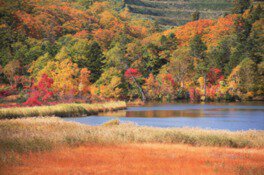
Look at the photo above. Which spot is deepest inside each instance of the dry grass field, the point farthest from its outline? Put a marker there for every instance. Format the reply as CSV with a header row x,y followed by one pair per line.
x,y
149,159
47,133
49,145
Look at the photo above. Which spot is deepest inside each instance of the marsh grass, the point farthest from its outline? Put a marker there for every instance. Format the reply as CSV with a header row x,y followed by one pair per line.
x,y
46,133
113,122
60,110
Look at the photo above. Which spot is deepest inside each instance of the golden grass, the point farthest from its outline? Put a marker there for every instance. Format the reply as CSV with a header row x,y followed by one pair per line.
x,y
61,110
111,123
137,102
46,133
23,136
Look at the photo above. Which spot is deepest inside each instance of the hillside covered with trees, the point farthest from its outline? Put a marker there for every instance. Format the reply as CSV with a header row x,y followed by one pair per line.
x,y
82,50
179,12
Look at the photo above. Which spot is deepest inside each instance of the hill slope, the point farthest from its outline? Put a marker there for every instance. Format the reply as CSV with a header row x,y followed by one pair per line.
x,y
178,12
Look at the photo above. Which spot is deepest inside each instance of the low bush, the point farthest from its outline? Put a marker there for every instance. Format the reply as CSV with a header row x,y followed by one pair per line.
x,y
111,123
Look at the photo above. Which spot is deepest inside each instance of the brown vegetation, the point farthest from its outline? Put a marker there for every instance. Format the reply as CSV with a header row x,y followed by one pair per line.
x,y
141,159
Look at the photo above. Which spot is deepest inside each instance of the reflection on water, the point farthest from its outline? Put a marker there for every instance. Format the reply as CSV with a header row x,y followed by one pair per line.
x,y
121,113
155,113
167,111
215,116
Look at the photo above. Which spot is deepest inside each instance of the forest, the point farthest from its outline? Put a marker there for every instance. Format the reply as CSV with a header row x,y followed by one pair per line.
x,y
55,51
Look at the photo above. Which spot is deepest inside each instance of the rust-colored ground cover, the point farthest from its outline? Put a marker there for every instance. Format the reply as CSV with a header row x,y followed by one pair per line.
x,y
141,159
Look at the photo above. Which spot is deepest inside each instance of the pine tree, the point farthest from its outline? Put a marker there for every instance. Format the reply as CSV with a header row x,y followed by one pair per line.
x,y
197,47
196,16
240,6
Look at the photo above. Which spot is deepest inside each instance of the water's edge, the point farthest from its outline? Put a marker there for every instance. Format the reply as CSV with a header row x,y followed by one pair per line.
x,y
207,116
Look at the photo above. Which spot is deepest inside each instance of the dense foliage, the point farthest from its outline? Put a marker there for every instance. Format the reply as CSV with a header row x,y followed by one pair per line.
x,y
88,50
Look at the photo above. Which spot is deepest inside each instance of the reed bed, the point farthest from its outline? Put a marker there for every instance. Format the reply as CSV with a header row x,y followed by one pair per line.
x,y
61,110
46,133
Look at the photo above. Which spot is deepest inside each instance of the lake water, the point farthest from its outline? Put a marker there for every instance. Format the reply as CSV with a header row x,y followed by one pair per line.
x,y
209,116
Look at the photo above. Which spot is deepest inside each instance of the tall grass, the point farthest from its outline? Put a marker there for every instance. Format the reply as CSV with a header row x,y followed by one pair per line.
x,y
37,134
60,110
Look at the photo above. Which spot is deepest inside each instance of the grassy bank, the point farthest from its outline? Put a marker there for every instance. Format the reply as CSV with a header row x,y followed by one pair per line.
x,y
38,134
60,110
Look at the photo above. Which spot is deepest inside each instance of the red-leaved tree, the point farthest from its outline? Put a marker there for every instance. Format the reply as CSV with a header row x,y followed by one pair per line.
x,y
195,95
214,76
40,93
132,74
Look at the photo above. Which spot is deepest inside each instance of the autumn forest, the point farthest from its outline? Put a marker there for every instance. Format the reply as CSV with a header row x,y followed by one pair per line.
x,y
57,51
132,87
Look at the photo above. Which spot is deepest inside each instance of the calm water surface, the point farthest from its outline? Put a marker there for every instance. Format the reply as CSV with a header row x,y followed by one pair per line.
x,y
209,116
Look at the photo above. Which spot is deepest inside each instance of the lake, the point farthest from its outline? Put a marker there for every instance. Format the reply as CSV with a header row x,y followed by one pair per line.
x,y
231,116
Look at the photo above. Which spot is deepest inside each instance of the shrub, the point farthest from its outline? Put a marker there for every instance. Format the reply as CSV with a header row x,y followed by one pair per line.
x,y
195,94
111,123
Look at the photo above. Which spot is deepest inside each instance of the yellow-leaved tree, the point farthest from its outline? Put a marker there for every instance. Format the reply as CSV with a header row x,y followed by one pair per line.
x,y
84,82
109,84
65,75
243,79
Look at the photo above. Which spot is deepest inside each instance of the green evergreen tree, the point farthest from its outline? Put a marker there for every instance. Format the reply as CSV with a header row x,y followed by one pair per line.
x,y
256,47
197,47
196,16
240,6
219,56
95,60
198,50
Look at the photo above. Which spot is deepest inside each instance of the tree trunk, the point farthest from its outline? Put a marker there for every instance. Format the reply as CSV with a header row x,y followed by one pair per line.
x,y
204,87
139,88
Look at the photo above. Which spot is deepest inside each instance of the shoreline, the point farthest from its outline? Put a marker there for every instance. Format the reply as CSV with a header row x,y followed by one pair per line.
x,y
61,110
46,133
54,141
